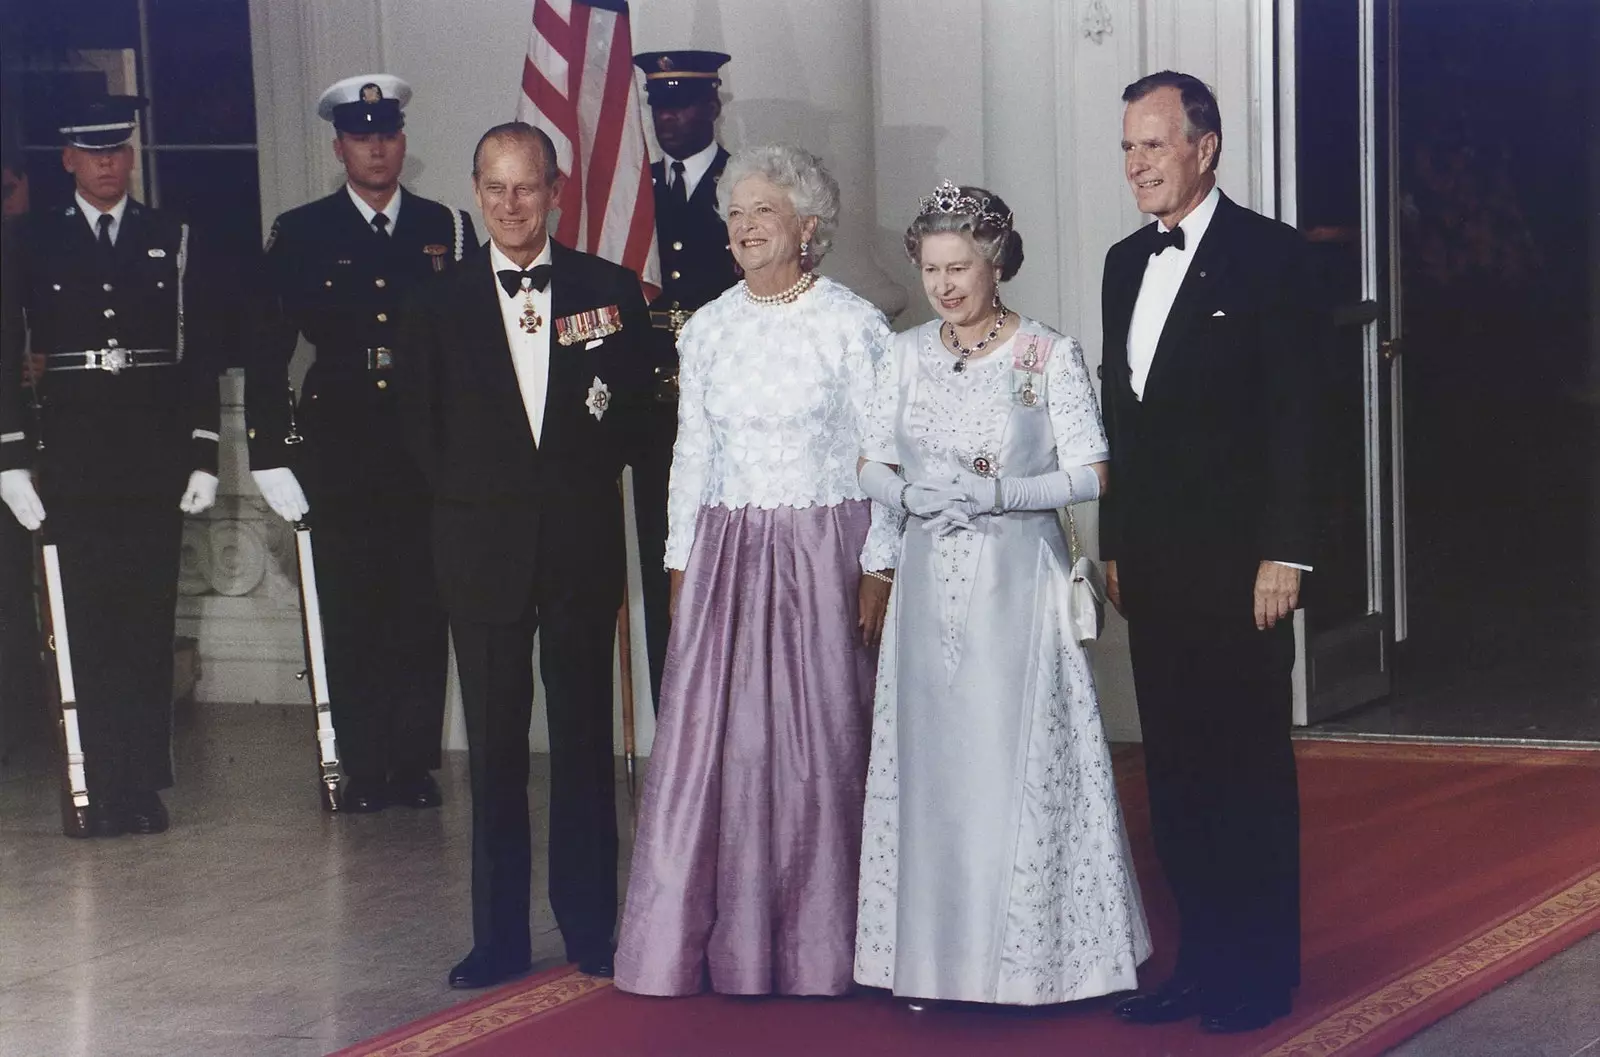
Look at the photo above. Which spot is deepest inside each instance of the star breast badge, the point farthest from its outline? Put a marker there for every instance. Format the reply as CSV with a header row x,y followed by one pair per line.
x,y
599,399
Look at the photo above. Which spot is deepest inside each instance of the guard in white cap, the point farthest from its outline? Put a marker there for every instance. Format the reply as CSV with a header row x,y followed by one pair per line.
x,y
115,443
338,271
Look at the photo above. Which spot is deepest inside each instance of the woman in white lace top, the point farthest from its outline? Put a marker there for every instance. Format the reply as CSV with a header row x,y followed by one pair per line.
x,y
994,864
744,871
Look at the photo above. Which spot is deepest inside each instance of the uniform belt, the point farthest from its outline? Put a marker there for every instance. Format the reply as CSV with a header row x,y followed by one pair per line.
x,y
114,360
672,320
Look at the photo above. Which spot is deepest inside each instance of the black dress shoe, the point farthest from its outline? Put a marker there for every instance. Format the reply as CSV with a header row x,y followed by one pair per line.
x,y
598,965
484,969
1173,1001
98,819
417,789
145,813
363,795
1246,1014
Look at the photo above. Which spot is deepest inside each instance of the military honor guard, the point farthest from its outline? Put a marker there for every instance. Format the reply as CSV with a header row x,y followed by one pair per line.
x,y
338,271
696,266
112,446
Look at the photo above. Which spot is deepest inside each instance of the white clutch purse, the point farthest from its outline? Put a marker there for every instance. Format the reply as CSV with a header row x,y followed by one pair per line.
x,y
1086,595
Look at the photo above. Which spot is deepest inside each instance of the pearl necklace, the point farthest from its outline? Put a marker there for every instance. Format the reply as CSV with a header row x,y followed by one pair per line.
x,y
965,353
801,285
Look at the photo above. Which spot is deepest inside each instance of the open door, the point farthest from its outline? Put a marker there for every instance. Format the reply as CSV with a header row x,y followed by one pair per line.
x,y
1336,95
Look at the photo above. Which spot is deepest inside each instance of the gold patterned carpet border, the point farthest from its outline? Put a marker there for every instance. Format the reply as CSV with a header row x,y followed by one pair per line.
x,y
1425,752
520,1008
1355,1022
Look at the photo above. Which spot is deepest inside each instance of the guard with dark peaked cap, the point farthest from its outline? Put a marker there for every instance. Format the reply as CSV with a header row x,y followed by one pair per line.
x,y
338,271
696,267
116,442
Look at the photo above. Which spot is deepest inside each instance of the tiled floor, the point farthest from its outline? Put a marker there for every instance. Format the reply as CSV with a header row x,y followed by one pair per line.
x,y
259,927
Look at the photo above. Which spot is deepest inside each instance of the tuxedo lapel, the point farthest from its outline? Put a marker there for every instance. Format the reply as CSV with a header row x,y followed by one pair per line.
x,y
485,339
1197,295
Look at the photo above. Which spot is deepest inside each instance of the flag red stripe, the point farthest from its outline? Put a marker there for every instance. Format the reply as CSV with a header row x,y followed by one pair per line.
x,y
557,32
549,100
609,128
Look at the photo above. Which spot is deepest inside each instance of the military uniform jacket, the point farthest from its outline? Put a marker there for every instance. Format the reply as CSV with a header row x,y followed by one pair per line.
x,y
112,430
329,276
696,264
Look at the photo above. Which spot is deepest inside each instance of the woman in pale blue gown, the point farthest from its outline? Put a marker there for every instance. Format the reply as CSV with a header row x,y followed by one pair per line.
x,y
994,864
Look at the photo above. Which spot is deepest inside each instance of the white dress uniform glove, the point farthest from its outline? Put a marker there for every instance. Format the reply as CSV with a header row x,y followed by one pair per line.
x,y
280,488
925,499
1046,491
16,488
201,493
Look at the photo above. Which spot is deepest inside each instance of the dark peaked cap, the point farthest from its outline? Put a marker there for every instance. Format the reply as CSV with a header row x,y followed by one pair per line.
x,y
678,78
101,122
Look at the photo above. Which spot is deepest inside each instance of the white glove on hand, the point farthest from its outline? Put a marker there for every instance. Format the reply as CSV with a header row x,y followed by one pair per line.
x,y
953,520
16,488
1045,491
281,490
201,493
922,498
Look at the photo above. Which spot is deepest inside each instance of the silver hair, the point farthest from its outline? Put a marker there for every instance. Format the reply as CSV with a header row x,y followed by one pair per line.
x,y
989,226
811,188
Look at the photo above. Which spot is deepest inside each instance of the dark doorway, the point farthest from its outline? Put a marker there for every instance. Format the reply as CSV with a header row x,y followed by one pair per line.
x,y
1498,169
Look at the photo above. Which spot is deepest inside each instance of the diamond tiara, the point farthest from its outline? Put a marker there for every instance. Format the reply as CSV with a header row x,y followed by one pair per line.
x,y
947,198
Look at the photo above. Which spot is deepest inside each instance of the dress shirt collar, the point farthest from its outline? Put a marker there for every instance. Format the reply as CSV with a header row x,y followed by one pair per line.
x,y
1199,219
499,262
695,167
91,213
392,210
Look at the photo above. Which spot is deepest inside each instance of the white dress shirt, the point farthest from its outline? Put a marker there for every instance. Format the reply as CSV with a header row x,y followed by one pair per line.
x,y
530,353
92,213
1163,274
695,167
391,210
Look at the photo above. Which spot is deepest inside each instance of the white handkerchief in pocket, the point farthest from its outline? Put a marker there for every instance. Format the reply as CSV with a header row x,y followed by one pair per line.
x,y
1218,314
591,344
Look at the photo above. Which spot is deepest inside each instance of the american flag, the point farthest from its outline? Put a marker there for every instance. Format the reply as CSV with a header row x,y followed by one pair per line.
x,y
578,85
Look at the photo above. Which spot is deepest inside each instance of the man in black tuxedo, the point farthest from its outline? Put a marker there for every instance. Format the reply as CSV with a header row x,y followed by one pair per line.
x,y
1209,348
696,267
508,365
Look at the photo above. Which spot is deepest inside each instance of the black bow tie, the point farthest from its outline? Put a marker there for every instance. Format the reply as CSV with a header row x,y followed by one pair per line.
x,y
1163,239
511,279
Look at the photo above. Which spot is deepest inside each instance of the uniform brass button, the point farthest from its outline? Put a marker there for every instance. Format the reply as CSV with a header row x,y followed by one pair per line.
x,y
110,312
327,282
383,317
379,283
677,245
677,274
250,433
111,343
56,287
383,383
160,285
106,287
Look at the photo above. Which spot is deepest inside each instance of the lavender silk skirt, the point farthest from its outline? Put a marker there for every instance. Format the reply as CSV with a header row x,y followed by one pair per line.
x,y
750,827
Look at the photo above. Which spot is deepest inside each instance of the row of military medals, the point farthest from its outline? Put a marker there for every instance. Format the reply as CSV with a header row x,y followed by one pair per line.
x,y
529,321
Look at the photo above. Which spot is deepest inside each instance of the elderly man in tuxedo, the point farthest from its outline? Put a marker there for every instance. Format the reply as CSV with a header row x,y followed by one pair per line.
x,y
1209,347
510,363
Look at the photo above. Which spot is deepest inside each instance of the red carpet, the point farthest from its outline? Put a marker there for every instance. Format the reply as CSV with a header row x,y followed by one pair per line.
x,y
1432,874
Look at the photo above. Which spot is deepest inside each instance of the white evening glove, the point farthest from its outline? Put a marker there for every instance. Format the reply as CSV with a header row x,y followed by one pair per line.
x,y
922,498
1046,491
16,488
201,493
281,489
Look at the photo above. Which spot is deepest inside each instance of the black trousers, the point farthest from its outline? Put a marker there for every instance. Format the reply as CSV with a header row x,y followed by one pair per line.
x,y
495,663
384,629
651,458
1214,708
119,582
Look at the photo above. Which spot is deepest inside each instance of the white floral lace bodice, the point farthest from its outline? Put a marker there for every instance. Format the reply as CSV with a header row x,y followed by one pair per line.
x,y
771,408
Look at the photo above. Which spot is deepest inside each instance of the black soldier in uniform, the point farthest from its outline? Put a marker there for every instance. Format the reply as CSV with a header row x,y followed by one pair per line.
x,y
339,271
696,266
122,444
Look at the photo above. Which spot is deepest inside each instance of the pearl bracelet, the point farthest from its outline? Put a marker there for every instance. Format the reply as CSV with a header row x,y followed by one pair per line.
x,y
885,577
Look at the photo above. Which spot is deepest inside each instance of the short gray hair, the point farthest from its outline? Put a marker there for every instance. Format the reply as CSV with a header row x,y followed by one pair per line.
x,y
812,190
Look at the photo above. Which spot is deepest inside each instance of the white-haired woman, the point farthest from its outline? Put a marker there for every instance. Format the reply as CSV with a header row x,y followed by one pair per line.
x,y
744,872
995,866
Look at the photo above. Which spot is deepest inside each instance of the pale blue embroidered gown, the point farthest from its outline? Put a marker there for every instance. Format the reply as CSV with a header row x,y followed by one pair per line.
x,y
994,864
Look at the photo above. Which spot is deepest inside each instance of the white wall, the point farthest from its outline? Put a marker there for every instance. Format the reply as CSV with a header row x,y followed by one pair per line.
x,y
1021,96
